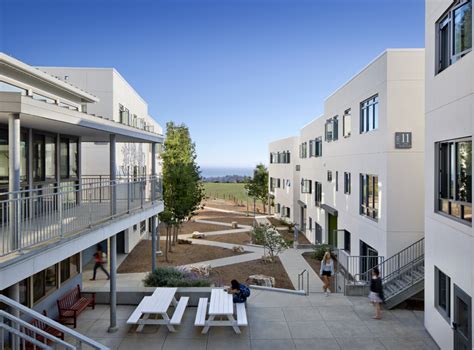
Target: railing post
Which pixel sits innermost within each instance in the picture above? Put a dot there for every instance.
(90, 209)
(60, 210)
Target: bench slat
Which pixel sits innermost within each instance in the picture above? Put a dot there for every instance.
(201, 312)
(241, 314)
(179, 311)
(137, 313)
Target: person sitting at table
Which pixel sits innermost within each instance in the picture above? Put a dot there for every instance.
(240, 291)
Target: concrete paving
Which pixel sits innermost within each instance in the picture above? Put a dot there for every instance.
(276, 321)
(294, 264)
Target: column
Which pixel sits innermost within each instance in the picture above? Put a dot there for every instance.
(113, 241)
(153, 196)
(14, 178)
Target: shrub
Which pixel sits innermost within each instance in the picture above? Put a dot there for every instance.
(320, 250)
(173, 277)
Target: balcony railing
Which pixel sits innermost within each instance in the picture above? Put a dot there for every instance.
(32, 217)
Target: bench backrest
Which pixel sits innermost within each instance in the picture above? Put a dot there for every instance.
(70, 298)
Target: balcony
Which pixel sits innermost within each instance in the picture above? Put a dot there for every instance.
(31, 218)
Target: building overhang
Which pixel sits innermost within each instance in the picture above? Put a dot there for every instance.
(302, 204)
(52, 118)
(329, 210)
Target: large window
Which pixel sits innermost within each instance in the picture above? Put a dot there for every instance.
(369, 114)
(69, 267)
(44, 282)
(332, 129)
(305, 186)
(346, 123)
(318, 193)
(369, 196)
(304, 150)
(455, 178)
(280, 157)
(454, 34)
(318, 147)
(442, 293)
(347, 183)
(44, 157)
(69, 157)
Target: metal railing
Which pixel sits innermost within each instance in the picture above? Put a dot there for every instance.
(354, 266)
(16, 333)
(35, 216)
(301, 281)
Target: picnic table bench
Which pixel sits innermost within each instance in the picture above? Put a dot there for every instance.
(158, 304)
(221, 305)
(71, 304)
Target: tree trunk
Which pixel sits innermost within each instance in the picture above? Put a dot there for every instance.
(166, 243)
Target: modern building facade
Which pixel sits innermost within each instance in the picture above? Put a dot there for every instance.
(358, 173)
(449, 119)
(51, 211)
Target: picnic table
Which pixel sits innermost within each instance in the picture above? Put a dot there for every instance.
(221, 306)
(158, 304)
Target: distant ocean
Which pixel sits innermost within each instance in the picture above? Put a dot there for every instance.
(217, 171)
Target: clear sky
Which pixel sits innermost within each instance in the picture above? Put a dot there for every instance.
(239, 73)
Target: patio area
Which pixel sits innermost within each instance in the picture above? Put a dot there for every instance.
(276, 321)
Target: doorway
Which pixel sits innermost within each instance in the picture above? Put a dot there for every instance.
(332, 230)
(462, 320)
(368, 257)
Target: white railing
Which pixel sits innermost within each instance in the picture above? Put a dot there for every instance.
(31, 217)
(16, 333)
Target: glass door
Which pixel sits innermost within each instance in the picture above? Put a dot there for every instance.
(462, 320)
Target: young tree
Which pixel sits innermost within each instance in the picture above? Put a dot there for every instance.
(182, 186)
(257, 186)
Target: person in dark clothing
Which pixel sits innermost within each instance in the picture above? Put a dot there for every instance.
(99, 262)
(240, 291)
(376, 292)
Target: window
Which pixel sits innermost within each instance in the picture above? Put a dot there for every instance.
(143, 226)
(454, 34)
(455, 178)
(124, 115)
(68, 158)
(329, 176)
(305, 186)
(38, 157)
(304, 150)
(369, 114)
(274, 183)
(318, 147)
(69, 267)
(347, 183)
(442, 293)
(318, 193)
(318, 232)
(310, 224)
(346, 123)
(311, 148)
(369, 196)
(347, 241)
(44, 282)
(278, 208)
(331, 129)
(337, 181)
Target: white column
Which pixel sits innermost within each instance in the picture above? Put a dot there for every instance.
(14, 178)
(113, 241)
(153, 195)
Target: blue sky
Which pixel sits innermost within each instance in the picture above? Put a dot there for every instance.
(239, 73)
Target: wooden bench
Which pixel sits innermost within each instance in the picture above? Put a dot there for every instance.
(179, 311)
(201, 312)
(241, 314)
(71, 304)
(44, 327)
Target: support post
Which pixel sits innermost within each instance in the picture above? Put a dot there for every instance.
(14, 179)
(153, 197)
(113, 240)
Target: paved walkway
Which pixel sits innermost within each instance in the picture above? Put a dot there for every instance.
(294, 263)
(277, 321)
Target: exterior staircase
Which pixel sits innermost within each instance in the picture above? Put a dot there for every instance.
(17, 332)
(403, 275)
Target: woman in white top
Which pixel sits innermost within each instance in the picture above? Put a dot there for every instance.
(326, 271)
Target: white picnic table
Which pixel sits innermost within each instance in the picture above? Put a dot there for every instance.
(158, 304)
(221, 306)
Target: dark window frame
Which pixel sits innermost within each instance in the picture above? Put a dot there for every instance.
(368, 206)
(443, 306)
(347, 183)
(367, 106)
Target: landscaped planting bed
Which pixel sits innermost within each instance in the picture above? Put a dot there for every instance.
(223, 275)
(191, 226)
(225, 217)
(289, 235)
(239, 238)
(316, 266)
(139, 260)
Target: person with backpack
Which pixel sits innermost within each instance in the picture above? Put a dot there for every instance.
(376, 296)
(240, 291)
(99, 258)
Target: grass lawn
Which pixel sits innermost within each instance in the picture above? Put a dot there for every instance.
(226, 190)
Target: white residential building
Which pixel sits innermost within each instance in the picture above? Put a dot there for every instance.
(360, 179)
(449, 264)
(51, 214)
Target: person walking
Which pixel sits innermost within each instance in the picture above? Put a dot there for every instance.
(327, 271)
(376, 296)
(99, 257)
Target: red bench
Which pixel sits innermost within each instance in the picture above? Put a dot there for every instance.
(44, 327)
(71, 304)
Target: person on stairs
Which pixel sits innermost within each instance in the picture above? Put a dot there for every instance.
(326, 271)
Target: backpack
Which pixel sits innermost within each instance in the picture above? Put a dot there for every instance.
(245, 290)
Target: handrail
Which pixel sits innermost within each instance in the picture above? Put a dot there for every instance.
(396, 262)
(301, 281)
(81, 339)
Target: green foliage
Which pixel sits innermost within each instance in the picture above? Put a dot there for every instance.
(271, 240)
(320, 250)
(173, 277)
(257, 186)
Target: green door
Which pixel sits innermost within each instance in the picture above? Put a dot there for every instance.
(332, 230)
